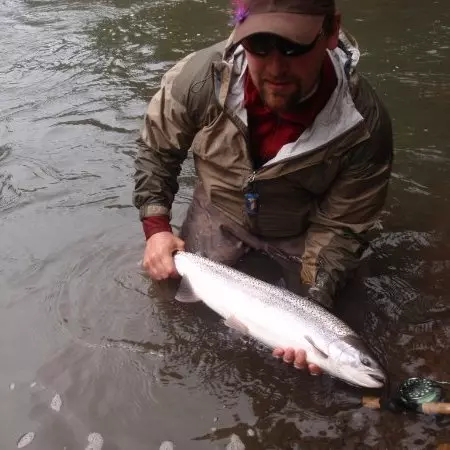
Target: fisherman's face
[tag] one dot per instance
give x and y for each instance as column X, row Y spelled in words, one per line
column 281, row 79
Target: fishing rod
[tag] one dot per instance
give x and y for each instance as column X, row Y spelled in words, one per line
column 420, row 395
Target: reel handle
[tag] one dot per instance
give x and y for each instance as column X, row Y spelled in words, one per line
column 436, row 408
column 371, row 402
column 433, row 408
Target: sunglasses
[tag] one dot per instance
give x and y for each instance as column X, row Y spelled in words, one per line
column 261, row 44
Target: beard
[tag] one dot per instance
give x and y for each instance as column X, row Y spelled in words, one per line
column 283, row 99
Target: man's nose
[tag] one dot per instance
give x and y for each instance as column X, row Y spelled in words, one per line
column 276, row 63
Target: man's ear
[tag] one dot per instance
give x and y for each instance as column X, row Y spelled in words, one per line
column 333, row 38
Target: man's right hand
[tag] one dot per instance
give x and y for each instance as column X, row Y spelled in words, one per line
column 158, row 255
column 298, row 358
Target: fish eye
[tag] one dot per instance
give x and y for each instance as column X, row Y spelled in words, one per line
column 366, row 361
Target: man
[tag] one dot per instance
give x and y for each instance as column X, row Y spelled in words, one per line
column 292, row 148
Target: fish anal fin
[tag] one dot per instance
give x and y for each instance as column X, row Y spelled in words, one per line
column 314, row 345
column 236, row 324
column 185, row 293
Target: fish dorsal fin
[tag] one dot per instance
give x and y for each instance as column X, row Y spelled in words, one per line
column 320, row 351
column 185, row 294
column 234, row 323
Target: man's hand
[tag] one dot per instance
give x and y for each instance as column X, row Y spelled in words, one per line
column 320, row 292
column 158, row 255
column 298, row 358
column 321, row 297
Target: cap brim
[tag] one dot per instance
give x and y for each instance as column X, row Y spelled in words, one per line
column 300, row 28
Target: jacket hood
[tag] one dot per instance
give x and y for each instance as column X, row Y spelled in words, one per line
column 337, row 118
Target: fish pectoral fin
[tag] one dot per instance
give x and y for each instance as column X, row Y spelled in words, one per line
column 314, row 345
column 234, row 323
column 185, row 293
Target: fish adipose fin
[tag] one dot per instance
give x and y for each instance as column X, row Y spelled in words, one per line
column 185, row 293
column 321, row 352
column 234, row 323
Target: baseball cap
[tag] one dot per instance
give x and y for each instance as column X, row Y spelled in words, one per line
column 296, row 20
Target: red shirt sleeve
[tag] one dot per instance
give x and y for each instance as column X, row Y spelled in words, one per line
column 155, row 224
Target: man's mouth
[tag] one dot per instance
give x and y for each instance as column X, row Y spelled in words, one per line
column 278, row 82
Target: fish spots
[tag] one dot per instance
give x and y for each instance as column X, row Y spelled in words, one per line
column 166, row 445
column 12, row 386
column 95, row 441
column 25, row 440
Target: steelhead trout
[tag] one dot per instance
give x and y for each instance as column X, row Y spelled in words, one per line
column 278, row 318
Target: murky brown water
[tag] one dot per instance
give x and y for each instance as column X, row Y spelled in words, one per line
column 89, row 355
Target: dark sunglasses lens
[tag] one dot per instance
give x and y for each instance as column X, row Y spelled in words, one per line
column 288, row 48
column 258, row 45
column 262, row 45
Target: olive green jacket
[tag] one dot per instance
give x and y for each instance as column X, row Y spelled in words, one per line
column 329, row 185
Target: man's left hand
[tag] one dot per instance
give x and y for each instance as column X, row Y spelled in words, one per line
column 320, row 291
column 321, row 297
column 298, row 358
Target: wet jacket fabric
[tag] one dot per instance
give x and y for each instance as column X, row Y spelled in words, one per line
column 328, row 186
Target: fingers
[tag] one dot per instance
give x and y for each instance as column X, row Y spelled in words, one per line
column 297, row 358
column 158, row 256
column 300, row 359
column 154, row 265
column 278, row 353
column 166, row 267
column 289, row 356
column 178, row 244
column 155, row 268
column 314, row 370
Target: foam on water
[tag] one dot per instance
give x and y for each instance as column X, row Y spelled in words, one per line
column 56, row 403
column 95, row 441
column 25, row 440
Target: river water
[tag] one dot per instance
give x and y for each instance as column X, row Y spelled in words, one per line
column 92, row 356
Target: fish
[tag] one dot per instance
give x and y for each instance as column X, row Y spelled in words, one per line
column 278, row 318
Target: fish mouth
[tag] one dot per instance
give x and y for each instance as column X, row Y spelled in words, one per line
column 374, row 380
column 367, row 380
column 378, row 378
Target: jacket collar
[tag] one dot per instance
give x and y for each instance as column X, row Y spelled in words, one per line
column 337, row 118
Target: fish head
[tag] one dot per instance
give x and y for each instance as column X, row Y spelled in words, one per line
column 355, row 364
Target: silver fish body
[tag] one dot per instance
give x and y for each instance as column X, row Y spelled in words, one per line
column 278, row 318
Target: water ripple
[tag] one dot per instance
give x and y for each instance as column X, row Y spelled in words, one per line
column 9, row 192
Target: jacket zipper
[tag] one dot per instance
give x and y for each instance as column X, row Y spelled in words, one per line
column 249, row 190
column 249, row 186
column 321, row 147
column 251, row 178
